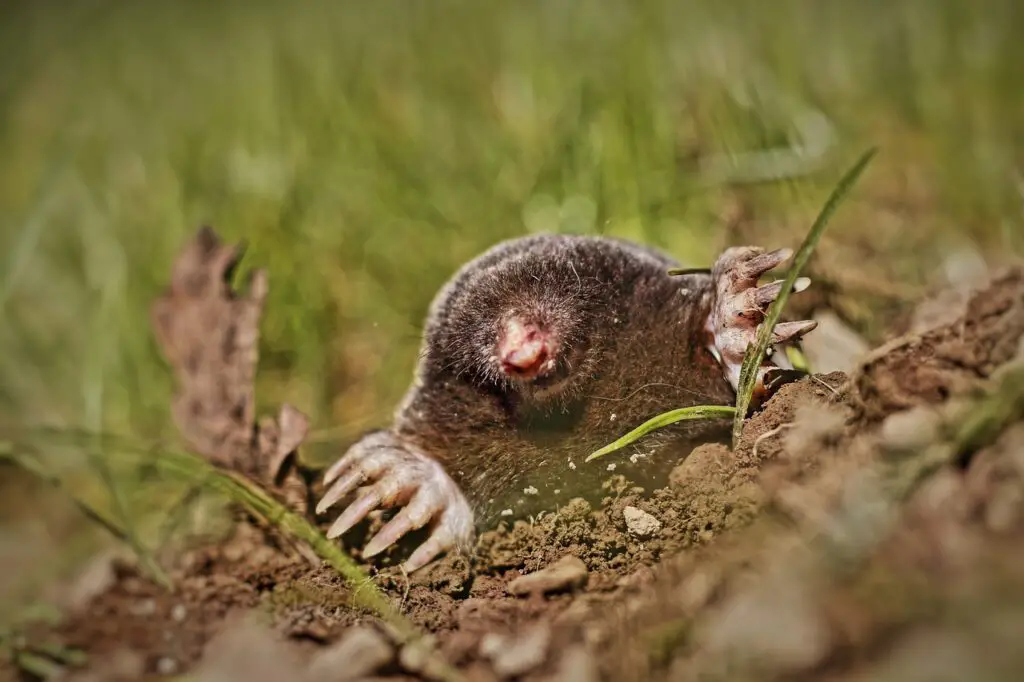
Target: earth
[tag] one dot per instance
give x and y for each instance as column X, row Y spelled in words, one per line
column 868, row 525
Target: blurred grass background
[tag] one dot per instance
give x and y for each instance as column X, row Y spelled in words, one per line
column 365, row 150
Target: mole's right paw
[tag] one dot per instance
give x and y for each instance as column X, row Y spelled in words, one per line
column 389, row 473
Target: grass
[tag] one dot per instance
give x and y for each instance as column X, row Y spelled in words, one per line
column 661, row 421
column 755, row 353
column 365, row 150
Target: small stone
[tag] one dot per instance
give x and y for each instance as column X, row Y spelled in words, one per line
column 361, row 651
column 166, row 666
column 640, row 523
column 911, row 430
column 567, row 573
column 516, row 656
column 577, row 665
column 122, row 664
column 179, row 613
column 246, row 648
column 413, row 656
column 233, row 553
column 834, row 346
column 146, row 607
column 1003, row 510
column 774, row 623
column 421, row 658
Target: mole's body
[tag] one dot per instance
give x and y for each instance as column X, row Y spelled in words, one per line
column 535, row 354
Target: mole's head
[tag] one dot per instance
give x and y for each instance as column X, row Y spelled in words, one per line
column 523, row 328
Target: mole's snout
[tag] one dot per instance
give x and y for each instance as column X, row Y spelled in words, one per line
column 525, row 350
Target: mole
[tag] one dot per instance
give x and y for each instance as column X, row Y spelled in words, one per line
column 534, row 354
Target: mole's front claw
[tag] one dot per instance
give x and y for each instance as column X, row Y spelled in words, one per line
column 739, row 307
column 390, row 473
column 786, row 332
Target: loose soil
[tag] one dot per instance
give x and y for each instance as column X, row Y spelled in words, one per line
column 825, row 547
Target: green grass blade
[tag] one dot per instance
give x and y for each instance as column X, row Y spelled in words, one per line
column 38, row 666
column 31, row 465
column 752, row 360
column 660, row 421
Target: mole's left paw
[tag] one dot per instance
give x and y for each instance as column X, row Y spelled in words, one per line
column 390, row 473
column 739, row 307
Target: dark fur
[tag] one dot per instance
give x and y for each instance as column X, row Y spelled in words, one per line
column 634, row 345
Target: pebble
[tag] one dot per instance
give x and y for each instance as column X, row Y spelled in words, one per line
column 911, row 430
column 166, row 666
column 420, row 657
column 515, row 656
column 1003, row 510
column 640, row 523
column 233, row 553
column 834, row 346
column 146, row 607
column 577, row 665
column 567, row 573
column 360, row 652
column 179, row 613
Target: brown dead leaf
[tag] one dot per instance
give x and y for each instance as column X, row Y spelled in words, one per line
column 209, row 334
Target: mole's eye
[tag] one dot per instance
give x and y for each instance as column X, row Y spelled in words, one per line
column 525, row 349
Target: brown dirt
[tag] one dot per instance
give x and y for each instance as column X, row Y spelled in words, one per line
column 803, row 554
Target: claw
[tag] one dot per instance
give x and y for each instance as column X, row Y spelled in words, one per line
column 415, row 516
column 402, row 476
column 762, row 263
column 436, row 544
column 360, row 455
column 343, row 487
column 355, row 513
column 338, row 468
column 389, row 534
column 791, row 331
column 761, row 297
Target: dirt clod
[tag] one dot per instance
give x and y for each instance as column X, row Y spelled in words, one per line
column 420, row 658
column 360, row 652
column 512, row 656
column 248, row 649
column 577, row 665
column 565, row 574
